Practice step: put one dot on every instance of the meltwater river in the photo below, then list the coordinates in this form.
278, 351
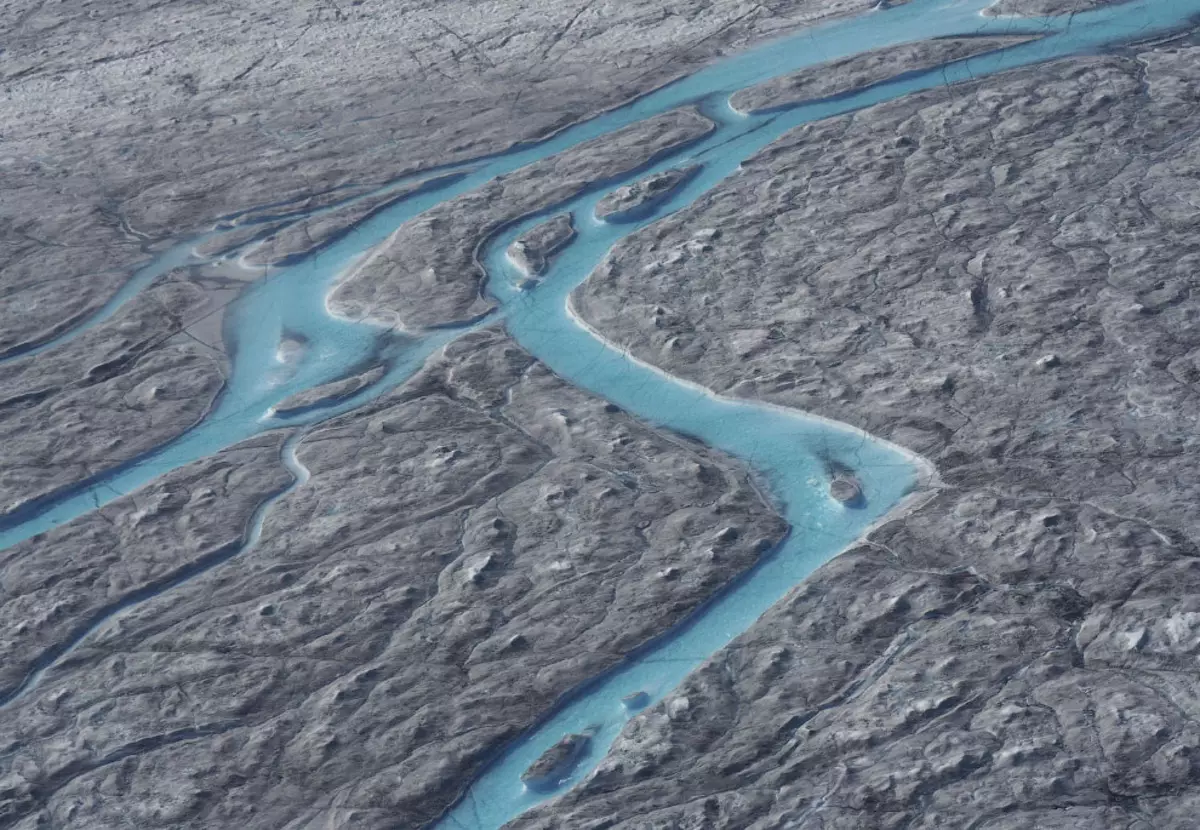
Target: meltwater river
787, 447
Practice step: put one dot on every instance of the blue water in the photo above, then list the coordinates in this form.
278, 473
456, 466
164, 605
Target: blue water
788, 448
174, 257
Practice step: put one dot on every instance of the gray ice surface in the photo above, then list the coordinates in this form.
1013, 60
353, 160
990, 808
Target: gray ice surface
997, 275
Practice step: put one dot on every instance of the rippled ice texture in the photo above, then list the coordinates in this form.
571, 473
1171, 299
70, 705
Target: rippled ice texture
791, 450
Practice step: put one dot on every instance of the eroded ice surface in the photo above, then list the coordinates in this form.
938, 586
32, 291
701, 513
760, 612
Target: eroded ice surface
790, 449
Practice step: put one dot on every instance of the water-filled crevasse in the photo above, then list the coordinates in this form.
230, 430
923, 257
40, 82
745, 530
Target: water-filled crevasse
188, 571
784, 445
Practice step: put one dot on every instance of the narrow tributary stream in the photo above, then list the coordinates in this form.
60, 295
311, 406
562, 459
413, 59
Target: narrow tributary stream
790, 449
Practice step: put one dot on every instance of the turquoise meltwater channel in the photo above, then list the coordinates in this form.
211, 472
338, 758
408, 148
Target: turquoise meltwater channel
788, 448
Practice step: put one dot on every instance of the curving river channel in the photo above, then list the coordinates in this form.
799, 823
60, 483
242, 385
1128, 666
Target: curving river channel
788, 447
